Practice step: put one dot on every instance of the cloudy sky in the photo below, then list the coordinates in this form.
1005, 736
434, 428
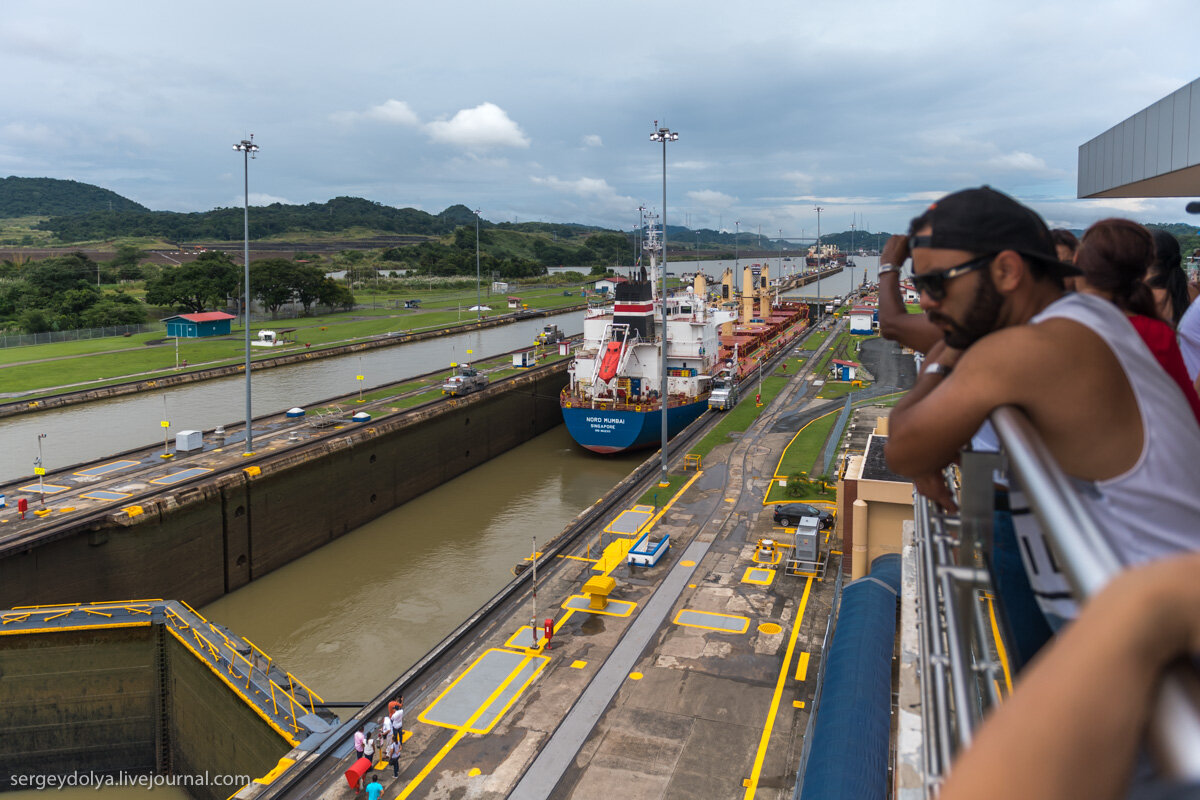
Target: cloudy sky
543, 110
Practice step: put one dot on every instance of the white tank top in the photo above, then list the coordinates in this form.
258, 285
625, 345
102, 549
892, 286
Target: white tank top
1153, 509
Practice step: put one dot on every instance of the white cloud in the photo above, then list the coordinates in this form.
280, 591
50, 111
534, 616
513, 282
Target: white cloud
596, 194
593, 140
259, 199
690, 165
1018, 160
711, 200
486, 125
393, 112
396, 112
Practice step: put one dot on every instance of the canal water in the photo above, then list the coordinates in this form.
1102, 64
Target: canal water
94, 430
354, 615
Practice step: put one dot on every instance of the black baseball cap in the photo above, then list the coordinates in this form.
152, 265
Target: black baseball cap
984, 220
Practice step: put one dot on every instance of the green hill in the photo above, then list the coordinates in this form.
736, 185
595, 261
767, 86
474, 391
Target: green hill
225, 224
27, 197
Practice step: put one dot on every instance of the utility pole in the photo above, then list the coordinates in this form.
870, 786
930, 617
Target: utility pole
664, 135
818, 210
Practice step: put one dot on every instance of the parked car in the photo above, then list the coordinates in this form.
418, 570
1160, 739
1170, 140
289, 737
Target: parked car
788, 514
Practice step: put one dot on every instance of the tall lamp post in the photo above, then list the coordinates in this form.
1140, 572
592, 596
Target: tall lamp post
818, 210
248, 149
664, 135
478, 299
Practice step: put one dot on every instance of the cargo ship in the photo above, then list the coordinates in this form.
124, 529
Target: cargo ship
614, 399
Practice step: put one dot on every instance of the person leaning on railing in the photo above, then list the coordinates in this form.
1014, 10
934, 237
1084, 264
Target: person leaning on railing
1026, 627
1111, 417
1073, 726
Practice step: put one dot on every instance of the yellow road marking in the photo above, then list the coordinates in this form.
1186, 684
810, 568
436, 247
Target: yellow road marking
802, 667
783, 673
580, 558
459, 734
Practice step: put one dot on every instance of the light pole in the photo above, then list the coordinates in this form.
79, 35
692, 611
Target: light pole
818, 210
247, 148
478, 300
41, 471
664, 135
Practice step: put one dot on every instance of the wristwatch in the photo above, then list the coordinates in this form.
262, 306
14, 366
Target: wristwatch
936, 369
884, 268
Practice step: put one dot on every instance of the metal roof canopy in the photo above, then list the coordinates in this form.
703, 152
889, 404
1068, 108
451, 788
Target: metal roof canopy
1154, 153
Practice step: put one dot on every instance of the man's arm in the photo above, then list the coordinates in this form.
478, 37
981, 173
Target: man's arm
941, 412
1073, 725
896, 323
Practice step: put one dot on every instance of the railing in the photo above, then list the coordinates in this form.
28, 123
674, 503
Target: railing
962, 664
27, 339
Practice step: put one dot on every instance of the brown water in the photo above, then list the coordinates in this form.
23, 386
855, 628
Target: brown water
353, 616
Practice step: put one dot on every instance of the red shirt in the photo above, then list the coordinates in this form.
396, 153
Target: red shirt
1159, 337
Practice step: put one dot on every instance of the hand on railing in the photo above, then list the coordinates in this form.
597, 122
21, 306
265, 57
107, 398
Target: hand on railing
1042, 742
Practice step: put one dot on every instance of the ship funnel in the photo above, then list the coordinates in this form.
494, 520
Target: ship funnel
727, 284
700, 286
747, 295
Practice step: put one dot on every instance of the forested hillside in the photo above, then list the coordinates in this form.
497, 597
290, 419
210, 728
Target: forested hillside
225, 224
28, 197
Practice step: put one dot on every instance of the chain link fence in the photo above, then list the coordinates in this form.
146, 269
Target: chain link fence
24, 339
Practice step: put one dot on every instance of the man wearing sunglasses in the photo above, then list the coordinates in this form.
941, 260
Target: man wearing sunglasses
989, 278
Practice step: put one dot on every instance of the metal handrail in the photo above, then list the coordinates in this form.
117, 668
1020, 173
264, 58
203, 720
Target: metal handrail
1090, 562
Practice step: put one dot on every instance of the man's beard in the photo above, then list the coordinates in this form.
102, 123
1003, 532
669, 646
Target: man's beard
980, 320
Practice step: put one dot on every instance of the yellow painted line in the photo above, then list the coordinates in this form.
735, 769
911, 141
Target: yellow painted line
581, 558
765, 739
104, 469
16, 631
458, 735
802, 667
999, 645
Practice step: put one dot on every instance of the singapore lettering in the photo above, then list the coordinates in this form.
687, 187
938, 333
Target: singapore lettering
605, 423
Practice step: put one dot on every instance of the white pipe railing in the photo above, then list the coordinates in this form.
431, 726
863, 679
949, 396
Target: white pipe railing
959, 662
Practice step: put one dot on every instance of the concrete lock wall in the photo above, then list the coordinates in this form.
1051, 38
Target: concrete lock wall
124, 700
211, 729
214, 537
78, 700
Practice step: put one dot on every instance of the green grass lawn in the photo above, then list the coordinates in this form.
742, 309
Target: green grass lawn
802, 452
658, 496
814, 340
740, 417
95, 363
832, 391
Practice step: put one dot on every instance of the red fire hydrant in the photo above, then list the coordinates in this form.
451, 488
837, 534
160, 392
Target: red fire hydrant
549, 628
22, 506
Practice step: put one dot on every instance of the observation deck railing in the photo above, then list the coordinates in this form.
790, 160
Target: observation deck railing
963, 662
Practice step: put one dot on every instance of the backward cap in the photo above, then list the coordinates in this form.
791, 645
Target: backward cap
984, 220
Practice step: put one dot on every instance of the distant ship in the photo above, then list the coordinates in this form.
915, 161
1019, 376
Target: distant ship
614, 399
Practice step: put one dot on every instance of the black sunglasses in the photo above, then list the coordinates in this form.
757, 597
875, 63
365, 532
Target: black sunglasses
934, 283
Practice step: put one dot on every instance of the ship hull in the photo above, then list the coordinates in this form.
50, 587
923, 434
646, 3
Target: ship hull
613, 431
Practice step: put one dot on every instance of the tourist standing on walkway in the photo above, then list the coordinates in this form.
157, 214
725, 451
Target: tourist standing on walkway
393, 756
989, 277
374, 788
385, 730
398, 722
360, 742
